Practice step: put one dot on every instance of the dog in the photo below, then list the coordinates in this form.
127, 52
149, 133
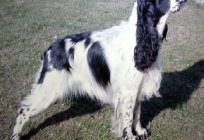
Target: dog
118, 66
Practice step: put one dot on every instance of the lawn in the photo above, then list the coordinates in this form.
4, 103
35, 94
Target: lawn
27, 27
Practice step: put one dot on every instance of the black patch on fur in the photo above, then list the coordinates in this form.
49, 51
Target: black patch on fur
80, 37
124, 133
98, 64
58, 58
44, 68
148, 40
71, 53
21, 111
58, 55
87, 42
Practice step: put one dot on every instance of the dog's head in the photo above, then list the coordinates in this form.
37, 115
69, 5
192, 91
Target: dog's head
151, 11
150, 15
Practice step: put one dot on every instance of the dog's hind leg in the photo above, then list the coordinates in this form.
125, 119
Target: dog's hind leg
43, 94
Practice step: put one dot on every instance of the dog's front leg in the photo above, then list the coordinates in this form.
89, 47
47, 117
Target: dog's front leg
127, 109
141, 132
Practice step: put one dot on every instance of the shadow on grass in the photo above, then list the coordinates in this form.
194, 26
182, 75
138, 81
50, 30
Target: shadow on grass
176, 89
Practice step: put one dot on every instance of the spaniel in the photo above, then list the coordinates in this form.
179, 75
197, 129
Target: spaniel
118, 66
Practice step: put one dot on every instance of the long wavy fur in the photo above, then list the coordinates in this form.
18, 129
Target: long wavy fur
148, 39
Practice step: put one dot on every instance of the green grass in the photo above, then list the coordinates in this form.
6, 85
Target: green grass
28, 27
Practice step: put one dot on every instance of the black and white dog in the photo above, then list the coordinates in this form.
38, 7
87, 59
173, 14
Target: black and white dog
119, 66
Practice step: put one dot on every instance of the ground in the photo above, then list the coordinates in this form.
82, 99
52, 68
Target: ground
27, 27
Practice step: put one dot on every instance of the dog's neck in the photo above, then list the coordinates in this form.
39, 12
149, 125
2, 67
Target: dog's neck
160, 26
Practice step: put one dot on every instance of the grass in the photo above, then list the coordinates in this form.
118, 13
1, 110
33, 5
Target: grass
27, 29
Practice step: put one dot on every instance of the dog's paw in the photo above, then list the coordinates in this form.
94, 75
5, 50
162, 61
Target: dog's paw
142, 137
131, 138
143, 134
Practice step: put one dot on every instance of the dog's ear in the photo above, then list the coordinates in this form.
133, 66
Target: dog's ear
147, 37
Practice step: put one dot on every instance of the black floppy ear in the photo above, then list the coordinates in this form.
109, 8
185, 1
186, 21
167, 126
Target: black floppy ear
148, 40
